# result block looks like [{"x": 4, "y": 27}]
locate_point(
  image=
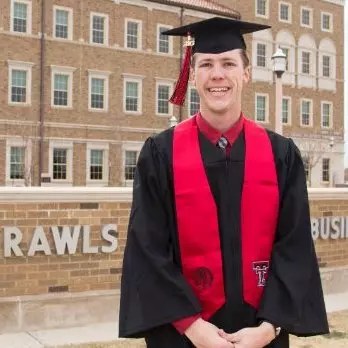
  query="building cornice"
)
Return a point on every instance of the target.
[
  {"x": 336, "y": 2},
  {"x": 115, "y": 194}
]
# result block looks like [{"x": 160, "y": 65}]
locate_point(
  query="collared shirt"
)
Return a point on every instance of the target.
[{"x": 214, "y": 135}]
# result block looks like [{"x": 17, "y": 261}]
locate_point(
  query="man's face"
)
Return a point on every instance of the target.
[{"x": 219, "y": 80}]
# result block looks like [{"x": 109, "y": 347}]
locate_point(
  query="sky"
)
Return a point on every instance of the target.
[{"x": 346, "y": 81}]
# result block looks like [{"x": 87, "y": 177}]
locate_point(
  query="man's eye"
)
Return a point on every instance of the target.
[
  {"x": 228, "y": 64},
  {"x": 205, "y": 65}
]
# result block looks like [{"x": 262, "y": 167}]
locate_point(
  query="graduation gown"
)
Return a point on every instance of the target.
[{"x": 154, "y": 292}]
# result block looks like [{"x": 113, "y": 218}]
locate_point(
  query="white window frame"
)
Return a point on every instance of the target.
[
  {"x": 322, "y": 114},
  {"x": 104, "y": 75},
  {"x": 69, "y": 146},
  {"x": 70, "y": 22},
  {"x": 310, "y": 25},
  {"x": 18, "y": 65},
  {"x": 140, "y": 31},
  {"x": 29, "y": 16},
  {"x": 62, "y": 70},
  {"x": 9, "y": 144},
  {"x": 310, "y": 69},
  {"x": 129, "y": 147},
  {"x": 170, "y": 39},
  {"x": 310, "y": 112},
  {"x": 267, "y": 10},
  {"x": 189, "y": 100},
  {"x": 139, "y": 80},
  {"x": 266, "y": 107},
  {"x": 106, "y": 28},
  {"x": 289, "y": 20},
  {"x": 322, "y": 170},
  {"x": 321, "y": 72},
  {"x": 170, "y": 105},
  {"x": 105, "y": 148},
  {"x": 265, "y": 45},
  {"x": 289, "y": 111},
  {"x": 322, "y": 21}
]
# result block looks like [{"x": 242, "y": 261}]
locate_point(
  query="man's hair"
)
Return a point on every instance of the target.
[{"x": 243, "y": 53}]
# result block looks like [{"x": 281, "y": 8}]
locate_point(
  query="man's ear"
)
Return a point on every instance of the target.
[{"x": 247, "y": 74}]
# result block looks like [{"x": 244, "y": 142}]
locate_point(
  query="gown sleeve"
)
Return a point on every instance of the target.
[
  {"x": 153, "y": 289},
  {"x": 293, "y": 297}
]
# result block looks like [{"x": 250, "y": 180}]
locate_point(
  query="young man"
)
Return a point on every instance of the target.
[{"x": 219, "y": 250}]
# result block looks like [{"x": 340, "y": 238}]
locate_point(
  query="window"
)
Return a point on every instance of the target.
[
  {"x": 326, "y": 170},
  {"x": 19, "y": 82},
  {"x": 62, "y": 86},
  {"x": 164, "y": 91},
  {"x": 261, "y": 108},
  {"x": 284, "y": 12},
  {"x": 262, "y": 8},
  {"x": 61, "y": 161},
  {"x": 326, "y": 66},
  {"x": 97, "y": 164},
  {"x": 19, "y": 86},
  {"x": 21, "y": 16},
  {"x": 306, "y": 17},
  {"x": 99, "y": 28},
  {"x": 133, "y": 34},
  {"x": 132, "y": 95},
  {"x": 306, "y": 60},
  {"x": 326, "y": 21},
  {"x": 194, "y": 102},
  {"x": 130, "y": 165},
  {"x": 164, "y": 42},
  {"x": 17, "y": 164},
  {"x": 306, "y": 113},
  {"x": 261, "y": 55},
  {"x": 326, "y": 114},
  {"x": 63, "y": 23},
  {"x": 61, "y": 90},
  {"x": 98, "y": 86},
  {"x": 286, "y": 112}
]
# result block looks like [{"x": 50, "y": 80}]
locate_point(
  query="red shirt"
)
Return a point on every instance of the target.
[{"x": 213, "y": 135}]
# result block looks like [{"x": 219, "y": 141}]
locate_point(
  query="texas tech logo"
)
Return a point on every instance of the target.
[{"x": 261, "y": 269}]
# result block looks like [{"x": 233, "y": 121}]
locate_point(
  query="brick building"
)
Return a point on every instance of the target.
[{"x": 78, "y": 102}]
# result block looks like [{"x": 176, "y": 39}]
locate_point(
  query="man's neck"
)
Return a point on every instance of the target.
[{"x": 221, "y": 122}]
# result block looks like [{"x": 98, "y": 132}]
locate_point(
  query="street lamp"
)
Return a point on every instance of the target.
[
  {"x": 173, "y": 122},
  {"x": 279, "y": 64}
]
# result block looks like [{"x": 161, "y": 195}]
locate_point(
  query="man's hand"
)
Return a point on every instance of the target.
[
  {"x": 206, "y": 335},
  {"x": 251, "y": 337}
]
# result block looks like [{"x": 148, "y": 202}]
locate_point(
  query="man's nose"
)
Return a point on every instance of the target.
[{"x": 217, "y": 72}]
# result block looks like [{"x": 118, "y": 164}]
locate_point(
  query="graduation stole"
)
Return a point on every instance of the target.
[{"x": 197, "y": 216}]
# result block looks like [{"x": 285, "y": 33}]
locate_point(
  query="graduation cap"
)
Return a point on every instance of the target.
[{"x": 214, "y": 35}]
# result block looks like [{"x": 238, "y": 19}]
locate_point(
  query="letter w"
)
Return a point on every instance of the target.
[{"x": 66, "y": 237}]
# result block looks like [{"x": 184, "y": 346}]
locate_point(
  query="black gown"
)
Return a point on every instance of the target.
[{"x": 153, "y": 290}]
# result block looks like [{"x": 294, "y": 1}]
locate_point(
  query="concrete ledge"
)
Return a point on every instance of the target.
[
  {"x": 334, "y": 280},
  {"x": 29, "y": 313},
  {"x": 67, "y": 310}
]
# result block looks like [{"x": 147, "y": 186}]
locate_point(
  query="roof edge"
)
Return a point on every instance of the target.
[{"x": 237, "y": 14}]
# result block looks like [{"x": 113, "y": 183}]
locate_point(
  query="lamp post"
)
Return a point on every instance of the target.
[
  {"x": 279, "y": 64},
  {"x": 173, "y": 121}
]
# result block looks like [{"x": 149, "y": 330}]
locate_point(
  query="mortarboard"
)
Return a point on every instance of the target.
[{"x": 214, "y": 35}]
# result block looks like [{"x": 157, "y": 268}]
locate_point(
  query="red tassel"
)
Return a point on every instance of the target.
[{"x": 178, "y": 97}]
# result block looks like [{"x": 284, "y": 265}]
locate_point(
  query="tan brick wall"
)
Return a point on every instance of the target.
[{"x": 41, "y": 274}]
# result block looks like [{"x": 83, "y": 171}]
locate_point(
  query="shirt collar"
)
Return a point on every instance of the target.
[{"x": 214, "y": 135}]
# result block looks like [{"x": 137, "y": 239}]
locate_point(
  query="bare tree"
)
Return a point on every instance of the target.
[{"x": 313, "y": 149}]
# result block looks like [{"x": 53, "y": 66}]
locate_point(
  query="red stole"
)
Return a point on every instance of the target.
[{"x": 197, "y": 216}]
